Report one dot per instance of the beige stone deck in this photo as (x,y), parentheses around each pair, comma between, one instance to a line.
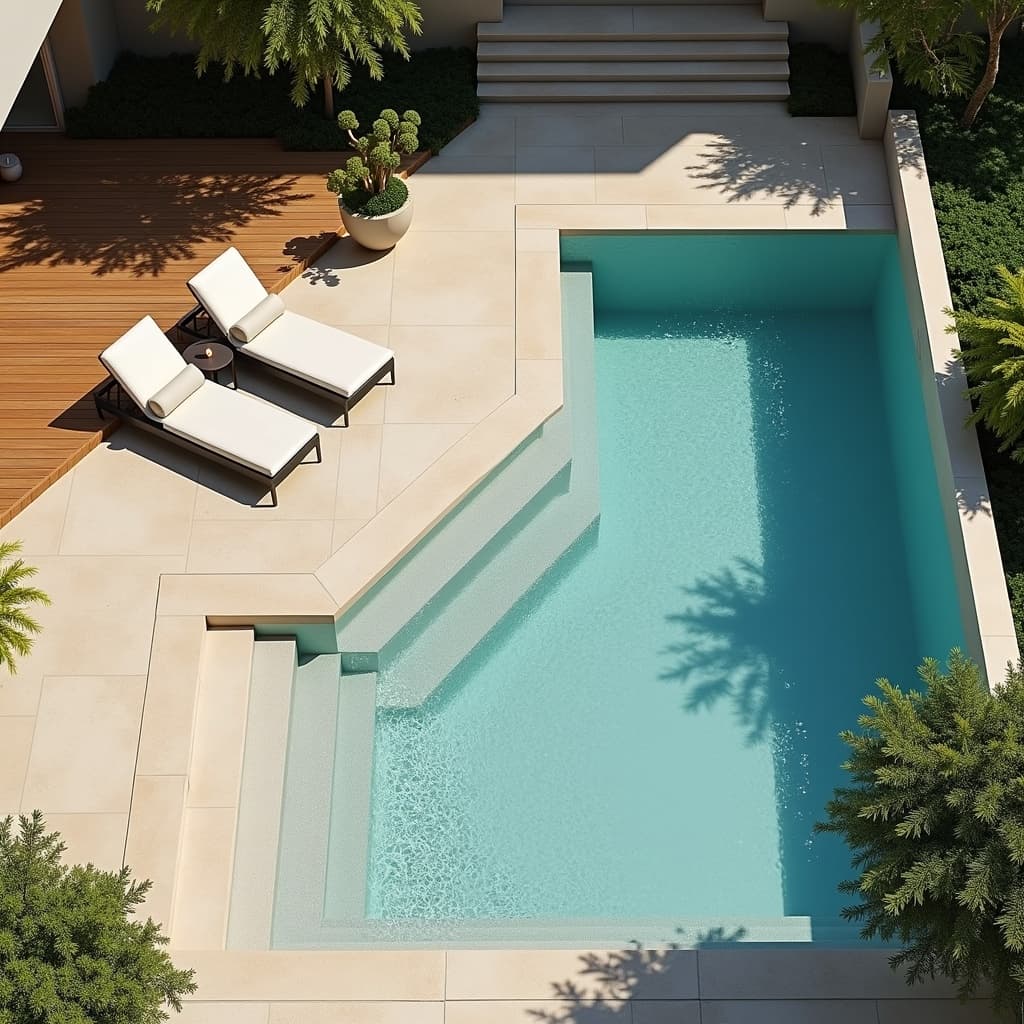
(138,536)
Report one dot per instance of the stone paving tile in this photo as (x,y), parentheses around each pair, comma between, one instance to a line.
(224,1013)
(454,277)
(15,747)
(358,1013)
(79,717)
(795,1011)
(39,527)
(92,838)
(127,503)
(451,374)
(407,449)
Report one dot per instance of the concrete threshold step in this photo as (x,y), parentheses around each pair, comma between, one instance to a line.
(605,92)
(657,22)
(633,71)
(638,49)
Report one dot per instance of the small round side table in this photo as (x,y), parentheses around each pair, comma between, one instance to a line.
(221,357)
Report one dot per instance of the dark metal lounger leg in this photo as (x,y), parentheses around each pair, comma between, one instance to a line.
(273,497)
(319,454)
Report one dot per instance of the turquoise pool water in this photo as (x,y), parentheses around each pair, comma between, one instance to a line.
(650,732)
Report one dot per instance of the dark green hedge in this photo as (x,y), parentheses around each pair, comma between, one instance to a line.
(978,188)
(161,97)
(820,82)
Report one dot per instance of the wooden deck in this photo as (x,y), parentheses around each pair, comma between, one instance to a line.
(99,233)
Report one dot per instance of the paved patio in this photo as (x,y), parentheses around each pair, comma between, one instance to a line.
(470,303)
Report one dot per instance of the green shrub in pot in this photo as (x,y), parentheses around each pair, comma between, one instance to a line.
(367,184)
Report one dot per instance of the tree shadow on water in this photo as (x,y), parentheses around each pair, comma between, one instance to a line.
(728,625)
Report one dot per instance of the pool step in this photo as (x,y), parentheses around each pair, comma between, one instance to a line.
(630,24)
(308,792)
(206,852)
(352,787)
(408,597)
(633,71)
(415,667)
(632,50)
(274,664)
(573,52)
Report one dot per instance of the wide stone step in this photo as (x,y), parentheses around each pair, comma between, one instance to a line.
(640,49)
(656,22)
(633,71)
(624,92)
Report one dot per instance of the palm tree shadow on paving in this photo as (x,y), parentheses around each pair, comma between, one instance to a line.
(140,224)
(607,983)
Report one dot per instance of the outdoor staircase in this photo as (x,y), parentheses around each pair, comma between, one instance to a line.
(587,50)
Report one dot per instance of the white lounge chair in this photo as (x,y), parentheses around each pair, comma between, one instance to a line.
(234,305)
(169,397)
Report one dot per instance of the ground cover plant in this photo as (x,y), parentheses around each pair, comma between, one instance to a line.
(934,816)
(317,42)
(977,179)
(820,82)
(72,949)
(161,97)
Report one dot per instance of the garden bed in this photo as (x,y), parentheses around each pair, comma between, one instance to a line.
(820,82)
(161,97)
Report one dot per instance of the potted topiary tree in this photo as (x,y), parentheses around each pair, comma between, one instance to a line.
(375,205)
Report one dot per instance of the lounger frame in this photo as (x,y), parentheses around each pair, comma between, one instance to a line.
(198,324)
(111,397)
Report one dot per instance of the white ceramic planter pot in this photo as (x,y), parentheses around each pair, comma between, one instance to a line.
(381,232)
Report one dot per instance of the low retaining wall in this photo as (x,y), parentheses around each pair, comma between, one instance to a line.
(972,534)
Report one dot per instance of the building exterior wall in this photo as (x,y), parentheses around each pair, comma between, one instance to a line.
(872,85)
(85,43)
(809,21)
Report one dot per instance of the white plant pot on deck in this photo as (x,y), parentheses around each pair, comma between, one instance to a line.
(378,233)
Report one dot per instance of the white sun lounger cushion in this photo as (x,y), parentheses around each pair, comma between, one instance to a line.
(143,362)
(324,355)
(261,316)
(230,423)
(228,289)
(240,427)
(172,394)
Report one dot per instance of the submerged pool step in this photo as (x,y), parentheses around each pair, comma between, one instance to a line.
(409,595)
(414,668)
(414,674)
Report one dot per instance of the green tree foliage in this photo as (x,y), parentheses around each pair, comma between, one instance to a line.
(926,39)
(994,359)
(316,39)
(935,820)
(71,951)
(17,627)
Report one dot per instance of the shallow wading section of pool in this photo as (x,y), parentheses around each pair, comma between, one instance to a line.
(603,713)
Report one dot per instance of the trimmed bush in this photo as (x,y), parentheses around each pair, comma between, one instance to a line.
(820,82)
(161,98)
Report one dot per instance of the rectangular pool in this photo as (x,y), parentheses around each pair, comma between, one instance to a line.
(631,729)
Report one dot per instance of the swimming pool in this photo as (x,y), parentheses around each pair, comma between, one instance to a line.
(616,718)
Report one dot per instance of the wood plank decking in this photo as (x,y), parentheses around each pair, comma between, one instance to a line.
(99,233)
